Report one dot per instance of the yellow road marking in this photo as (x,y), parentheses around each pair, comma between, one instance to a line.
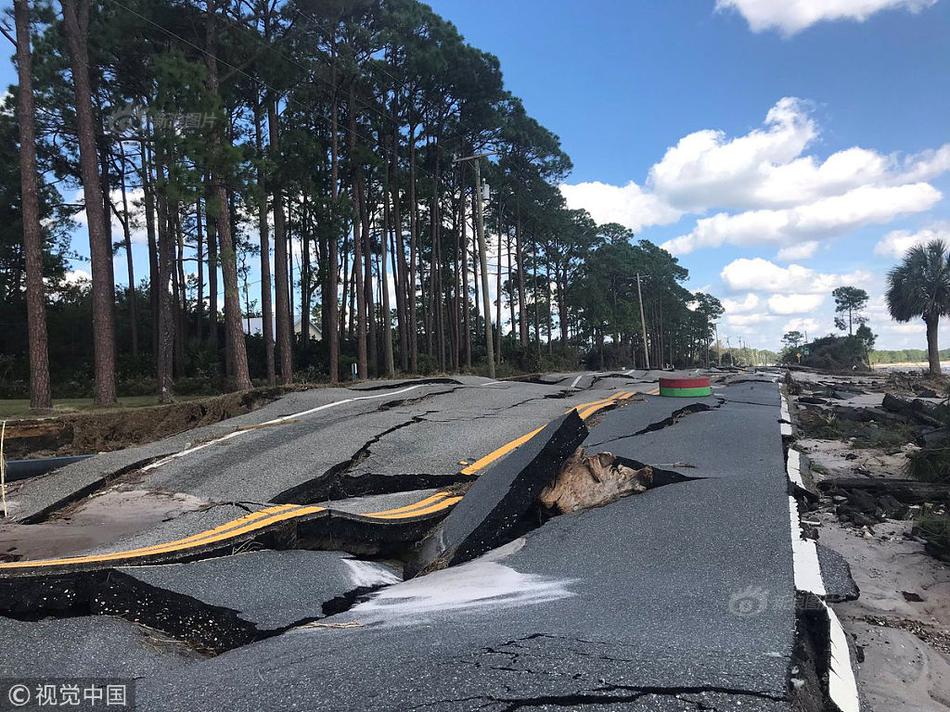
(584,410)
(244,525)
(273,515)
(408,507)
(431,509)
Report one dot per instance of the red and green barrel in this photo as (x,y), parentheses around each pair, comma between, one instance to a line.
(681,387)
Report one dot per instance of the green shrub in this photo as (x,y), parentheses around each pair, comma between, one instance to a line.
(929,465)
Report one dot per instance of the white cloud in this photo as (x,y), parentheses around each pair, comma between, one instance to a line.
(628,205)
(791,16)
(897,242)
(807,325)
(745,320)
(795,303)
(823,218)
(766,189)
(77,276)
(135,198)
(707,169)
(801,251)
(734,306)
(759,275)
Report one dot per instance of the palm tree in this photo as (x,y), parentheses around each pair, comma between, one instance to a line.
(920,287)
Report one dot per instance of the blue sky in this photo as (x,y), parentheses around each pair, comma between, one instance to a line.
(621,82)
(778,147)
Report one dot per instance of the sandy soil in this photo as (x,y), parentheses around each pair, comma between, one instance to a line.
(904,642)
(833,458)
(900,624)
(114,514)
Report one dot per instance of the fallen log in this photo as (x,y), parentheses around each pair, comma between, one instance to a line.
(921,411)
(907,491)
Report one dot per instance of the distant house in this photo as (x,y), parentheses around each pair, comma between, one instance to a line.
(255,325)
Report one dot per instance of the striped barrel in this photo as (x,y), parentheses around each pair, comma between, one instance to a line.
(692,387)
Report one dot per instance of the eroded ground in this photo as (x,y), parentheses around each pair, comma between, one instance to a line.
(271,561)
(900,624)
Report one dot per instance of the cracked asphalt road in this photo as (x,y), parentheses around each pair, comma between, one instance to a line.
(627,606)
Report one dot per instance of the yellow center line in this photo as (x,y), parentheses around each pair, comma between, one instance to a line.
(584,410)
(244,525)
(279,513)
(446,503)
(415,505)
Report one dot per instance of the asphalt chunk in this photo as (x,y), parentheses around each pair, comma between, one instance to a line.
(492,512)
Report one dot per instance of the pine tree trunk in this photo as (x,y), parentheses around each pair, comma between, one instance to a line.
(212,232)
(76,20)
(413,243)
(161,285)
(199,266)
(263,228)
(281,287)
(372,343)
(466,300)
(330,293)
(130,268)
(232,304)
(357,220)
(522,304)
(388,360)
(305,275)
(399,255)
(40,395)
(149,194)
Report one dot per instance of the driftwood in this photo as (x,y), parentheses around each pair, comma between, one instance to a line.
(907,491)
(921,411)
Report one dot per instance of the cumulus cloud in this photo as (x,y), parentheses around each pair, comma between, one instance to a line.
(806,325)
(760,275)
(135,198)
(706,168)
(896,243)
(745,320)
(795,303)
(735,306)
(766,189)
(791,16)
(827,217)
(801,251)
(77,276)
(628,205)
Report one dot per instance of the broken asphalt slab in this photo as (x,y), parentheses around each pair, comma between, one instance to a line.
(270,590)
(492,510)
(91,646)
(836,576)
(730,439)
(627,606)
(33,499)
(581,612)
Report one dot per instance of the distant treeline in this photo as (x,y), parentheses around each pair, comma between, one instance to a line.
(904,355)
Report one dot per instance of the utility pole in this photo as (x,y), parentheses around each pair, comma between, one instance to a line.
(718,345)
(643,325)
(482,258)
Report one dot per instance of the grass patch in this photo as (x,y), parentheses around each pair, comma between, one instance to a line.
(20,407)
(825,425)
(929,465)
(935,528)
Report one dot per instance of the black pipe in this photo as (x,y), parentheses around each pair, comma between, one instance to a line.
(23,469)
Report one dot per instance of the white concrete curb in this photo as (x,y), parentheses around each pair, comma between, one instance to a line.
(842,685)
